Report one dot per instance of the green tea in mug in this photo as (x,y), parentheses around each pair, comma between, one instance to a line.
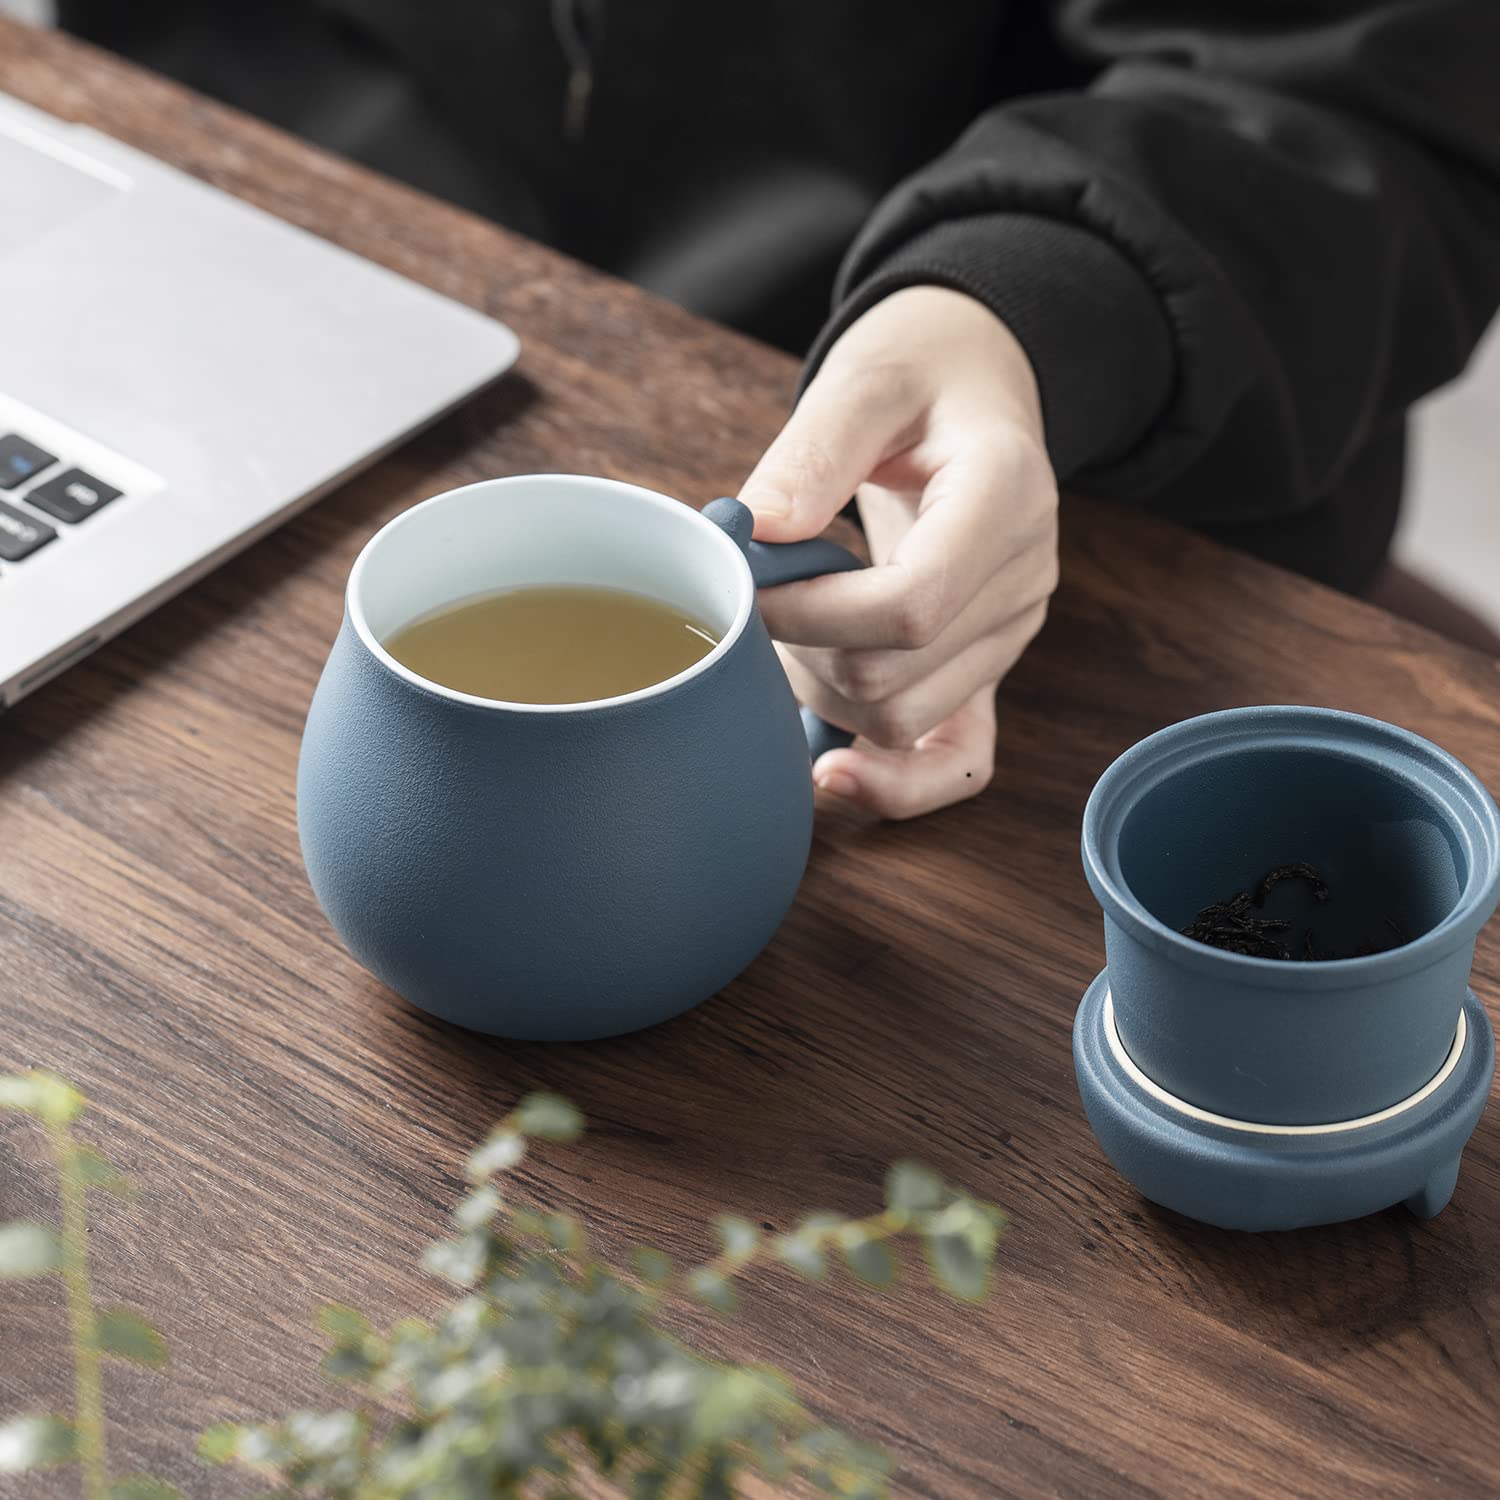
(558,643)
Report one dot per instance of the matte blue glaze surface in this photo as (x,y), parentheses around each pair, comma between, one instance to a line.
(1204,809)
(774,563)
(559,876)
(566,875)
(1236,1180)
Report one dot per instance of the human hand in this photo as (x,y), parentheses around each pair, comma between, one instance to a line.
(928,409)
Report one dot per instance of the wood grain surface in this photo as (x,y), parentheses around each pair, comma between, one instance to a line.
(295,1128)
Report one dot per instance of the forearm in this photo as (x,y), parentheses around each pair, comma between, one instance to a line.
(1289,238)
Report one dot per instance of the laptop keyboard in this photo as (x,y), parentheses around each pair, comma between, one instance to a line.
(20,460)
(70,495)
(73,496)
(20,534)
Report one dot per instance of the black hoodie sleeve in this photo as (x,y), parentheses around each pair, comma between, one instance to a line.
(1260,234)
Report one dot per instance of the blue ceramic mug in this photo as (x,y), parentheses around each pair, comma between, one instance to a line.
(560,871)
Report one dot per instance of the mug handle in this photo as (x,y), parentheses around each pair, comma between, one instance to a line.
(773,563)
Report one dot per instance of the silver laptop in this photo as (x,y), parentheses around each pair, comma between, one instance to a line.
(179,372)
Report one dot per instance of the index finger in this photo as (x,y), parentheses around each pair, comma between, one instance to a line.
(956,543)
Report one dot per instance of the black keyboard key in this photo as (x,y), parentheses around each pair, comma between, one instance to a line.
(20,461)
(20,534)
(72,496)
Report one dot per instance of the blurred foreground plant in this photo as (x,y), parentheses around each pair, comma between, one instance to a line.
(547,1366)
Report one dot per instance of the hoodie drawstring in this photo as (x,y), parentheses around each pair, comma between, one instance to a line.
(579,25)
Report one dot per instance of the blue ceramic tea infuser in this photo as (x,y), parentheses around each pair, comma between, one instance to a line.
(1259,1093)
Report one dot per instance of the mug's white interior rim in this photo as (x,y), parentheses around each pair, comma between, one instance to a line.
(534,529)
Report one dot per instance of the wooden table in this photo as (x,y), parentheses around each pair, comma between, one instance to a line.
(296,1129)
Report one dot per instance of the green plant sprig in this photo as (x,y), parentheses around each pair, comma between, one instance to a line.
(547,1365)
(28,1249)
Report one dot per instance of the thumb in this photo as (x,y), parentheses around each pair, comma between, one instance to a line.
(838,434)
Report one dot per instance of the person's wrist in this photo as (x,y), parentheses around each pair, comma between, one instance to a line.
(964,356)
(1094,331)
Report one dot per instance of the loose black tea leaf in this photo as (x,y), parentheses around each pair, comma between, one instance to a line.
(1232,925)
(1292,872)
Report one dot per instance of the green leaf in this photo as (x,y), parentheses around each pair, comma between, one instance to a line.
(342,1322)
(127,1335)
(548,1117)
(477,1208)
(728,1405)
(356,1354)
(96,1170)
(764,1451)
(819,1226)
(219,1444)
(652,1266)
(28,1250)
(712,1289)
(523,1221)
(459,1261)
(53,1100)
(981,1222)
(867,1257)
(349,1362)
(264,1446)
(801,1254)
(957,1266)
(913,1189)
(563,1232)
(847,1467)
(501,1151)
(323,1434)
(143,1487)
(36,1443)
(740,1237)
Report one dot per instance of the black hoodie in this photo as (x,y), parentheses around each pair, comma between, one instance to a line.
(1237,238)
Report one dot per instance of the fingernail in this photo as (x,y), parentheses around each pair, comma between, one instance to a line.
(838,784)
(770,503)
